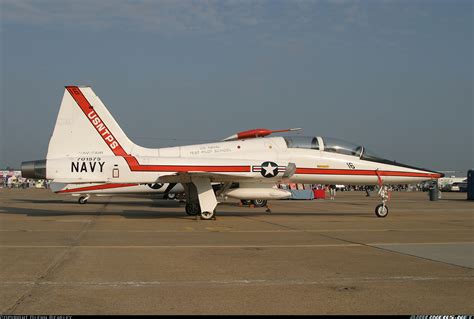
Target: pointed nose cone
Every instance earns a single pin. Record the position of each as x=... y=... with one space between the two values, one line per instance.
x=408 y=173
x=420 y=172
x=429 y=173
x=434 y=174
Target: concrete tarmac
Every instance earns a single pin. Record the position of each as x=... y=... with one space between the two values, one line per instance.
x=138 y=256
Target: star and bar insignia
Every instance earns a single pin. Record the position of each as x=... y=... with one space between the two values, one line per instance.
x=268 y=169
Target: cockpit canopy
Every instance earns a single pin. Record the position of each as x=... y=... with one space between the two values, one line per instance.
x=308 y=142
x=330 y=144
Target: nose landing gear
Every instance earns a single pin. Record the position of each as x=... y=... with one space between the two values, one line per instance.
x=382 y=209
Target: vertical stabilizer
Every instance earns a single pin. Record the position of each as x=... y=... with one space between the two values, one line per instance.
x=85 y=127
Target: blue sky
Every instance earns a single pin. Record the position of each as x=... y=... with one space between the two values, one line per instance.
x=396 y=76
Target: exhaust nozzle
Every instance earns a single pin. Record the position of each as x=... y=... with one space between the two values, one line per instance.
x=34 y=169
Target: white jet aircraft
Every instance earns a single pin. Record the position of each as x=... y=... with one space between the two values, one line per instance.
x=88 y=146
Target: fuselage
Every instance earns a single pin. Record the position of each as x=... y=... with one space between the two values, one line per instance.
x=317 y=160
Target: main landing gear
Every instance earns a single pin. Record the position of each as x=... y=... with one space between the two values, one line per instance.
x=382 y=209
x=254 y=202
x=259 y=202
x=192 y=209
x=208 y=215
x=200 y=198
x=83 y=199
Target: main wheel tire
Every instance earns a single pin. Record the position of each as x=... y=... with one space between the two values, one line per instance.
x=245 y=202
x=381 y=210
x=192 y=209
x=187 y=209
x=82 y=200
x=208 y=215
x=259 y=202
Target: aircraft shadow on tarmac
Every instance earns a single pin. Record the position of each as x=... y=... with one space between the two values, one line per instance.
x=142 y=214
x=151 y=203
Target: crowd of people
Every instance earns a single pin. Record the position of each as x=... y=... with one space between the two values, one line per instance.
x=332 y=190
x=19 y=182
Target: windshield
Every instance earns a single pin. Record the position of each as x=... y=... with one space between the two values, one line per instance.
x=370 y=155
x=342 y=147
x=308 y=142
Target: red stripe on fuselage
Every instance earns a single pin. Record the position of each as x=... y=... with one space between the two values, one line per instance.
x=94 y=188
x=325 y=171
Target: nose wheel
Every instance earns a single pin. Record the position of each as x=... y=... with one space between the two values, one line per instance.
x=381 y=210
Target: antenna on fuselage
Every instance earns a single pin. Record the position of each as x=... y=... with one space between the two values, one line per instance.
x=258 y=132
